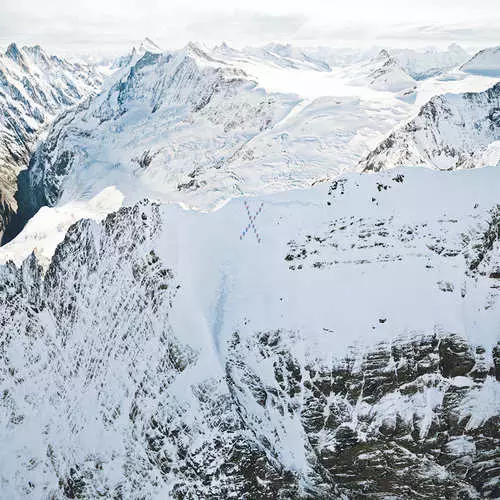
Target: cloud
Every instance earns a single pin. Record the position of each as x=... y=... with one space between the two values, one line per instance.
x=246 y=26
x=114 y=25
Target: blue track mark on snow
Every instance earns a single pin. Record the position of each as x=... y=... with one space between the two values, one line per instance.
x=219 y=312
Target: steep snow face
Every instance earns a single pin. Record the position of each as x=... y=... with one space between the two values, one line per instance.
x=450 y=131
x=486 y=62
x=34 y=88
x=163 y=355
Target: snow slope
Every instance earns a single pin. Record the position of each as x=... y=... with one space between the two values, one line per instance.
x=485 y=62
x=162 y=355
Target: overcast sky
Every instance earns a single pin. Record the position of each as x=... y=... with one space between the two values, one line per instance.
x=112 y=26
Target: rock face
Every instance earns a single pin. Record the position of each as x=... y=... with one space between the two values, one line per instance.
x=384 y=423
x=350 y=354
x=450 y=132
x=34 y=88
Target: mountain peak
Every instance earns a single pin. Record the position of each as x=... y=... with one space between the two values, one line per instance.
x=147 y=45
x=36 y=52
x=196 y=51
x=384 y=55
x=14 y=53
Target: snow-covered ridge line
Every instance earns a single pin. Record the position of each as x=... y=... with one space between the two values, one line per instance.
x=485 y=62
x=450 y=131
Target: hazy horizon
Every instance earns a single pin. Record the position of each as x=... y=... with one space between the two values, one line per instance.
x=113 y=27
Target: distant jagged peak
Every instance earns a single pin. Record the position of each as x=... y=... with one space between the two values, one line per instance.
x=14 y=54
x=200 y=53
x=33 y=49
x=386 y=73
x=223 y=48
x=455 y=47
x=37 y=54
x=279 y=48
x=385 y=57
x=225 y=52
x=147 y=45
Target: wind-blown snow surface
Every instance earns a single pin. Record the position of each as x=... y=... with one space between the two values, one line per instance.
x=451 y=131
x=352 y=353
x=34 y=88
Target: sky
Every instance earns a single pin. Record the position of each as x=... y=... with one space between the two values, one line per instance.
x=113 y=26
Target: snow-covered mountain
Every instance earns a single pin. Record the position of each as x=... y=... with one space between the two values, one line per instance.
x=418 y=64
x=431 y=62
x=450 y=131
x=206 y=330
x=34 y=88
x=485 y=62
x=282 y=55
x=352 y=353
x=201 y=128
x=388 y=74
x=382 y=72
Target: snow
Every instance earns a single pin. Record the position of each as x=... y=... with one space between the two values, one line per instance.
x=35 y=88
x=49 y=225
x=486 y=62
x=482 y=404
x=276 y=125
x=427 y=63
x=460 y=446
x=347 y=264
x=229 y=285
x=451 y=131
x=252 y=286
